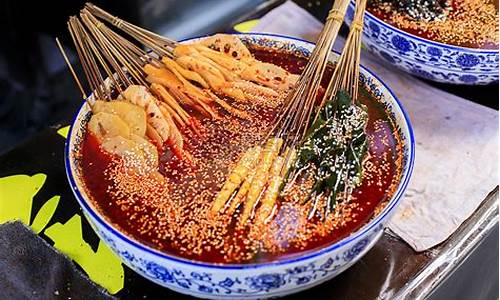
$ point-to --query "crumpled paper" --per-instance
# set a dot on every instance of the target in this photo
(291, 20)
(456, 163)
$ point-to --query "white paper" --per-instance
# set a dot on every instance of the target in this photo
(291, 20)
(456, 163)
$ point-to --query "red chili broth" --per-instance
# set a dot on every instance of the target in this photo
(384, 16)
(95, 162)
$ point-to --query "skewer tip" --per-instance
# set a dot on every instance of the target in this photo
(73, 73)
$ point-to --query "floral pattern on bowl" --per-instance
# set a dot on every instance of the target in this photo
(246, 281)
(428, 59)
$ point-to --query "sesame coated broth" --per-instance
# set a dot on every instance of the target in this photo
(172, 216)
(465, 23)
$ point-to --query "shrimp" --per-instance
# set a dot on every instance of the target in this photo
(269, 75)
(187, 95)
(260, 178)
(223, 60)
(247, 162)
(175, 68)
(175, 109)
(241, 77)
(211, 74)
(225, 82)
(233, 55)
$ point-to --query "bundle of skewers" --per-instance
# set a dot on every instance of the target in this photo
(157, 95)
(326, 141)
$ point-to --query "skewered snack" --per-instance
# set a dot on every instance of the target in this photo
(173, 83)
(223, 62)
(295, 118)
(336, 148)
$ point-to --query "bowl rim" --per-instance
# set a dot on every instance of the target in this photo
(416, 37)
(87, 208)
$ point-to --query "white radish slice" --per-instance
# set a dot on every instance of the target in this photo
(104, 125)
(122, 146)
(133, 115)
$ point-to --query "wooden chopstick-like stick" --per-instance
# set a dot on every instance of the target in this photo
(73, 73)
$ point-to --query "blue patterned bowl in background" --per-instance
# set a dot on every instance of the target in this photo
(425, 58)
(245, 281)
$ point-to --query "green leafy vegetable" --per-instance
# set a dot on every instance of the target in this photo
(336, 146)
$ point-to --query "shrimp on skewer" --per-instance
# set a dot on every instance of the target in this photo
(269, 75)
(242, 77)
(225, 82)
(174, 67)
(180, 86)
(229, 63)
(234, 111)
(274, 183)
(186, 95)
(235, 56)
(247, 162)
(171, 105)
(193, 76)
(212, 75)
(260, 178)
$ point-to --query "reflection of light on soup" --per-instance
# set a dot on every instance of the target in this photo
(172, 215)
(466, 23)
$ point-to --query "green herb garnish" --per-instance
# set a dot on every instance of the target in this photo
(336, 146)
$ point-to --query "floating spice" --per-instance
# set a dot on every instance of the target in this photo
(420, 10)
(466, 23)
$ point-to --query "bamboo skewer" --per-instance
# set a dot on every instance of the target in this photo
(346, 74)
(101, 48)
(102, 52)
(163, 49)
(90, 56)
(345, 78)
(293, 121)
(159, 44)
(73, 73)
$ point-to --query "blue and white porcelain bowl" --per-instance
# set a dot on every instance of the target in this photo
(249, 281)
(425, 58)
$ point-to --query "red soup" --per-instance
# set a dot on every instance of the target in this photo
(465, 23)
(171, 214)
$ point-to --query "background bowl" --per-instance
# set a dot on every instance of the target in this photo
(246, 281)
(425, 58)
